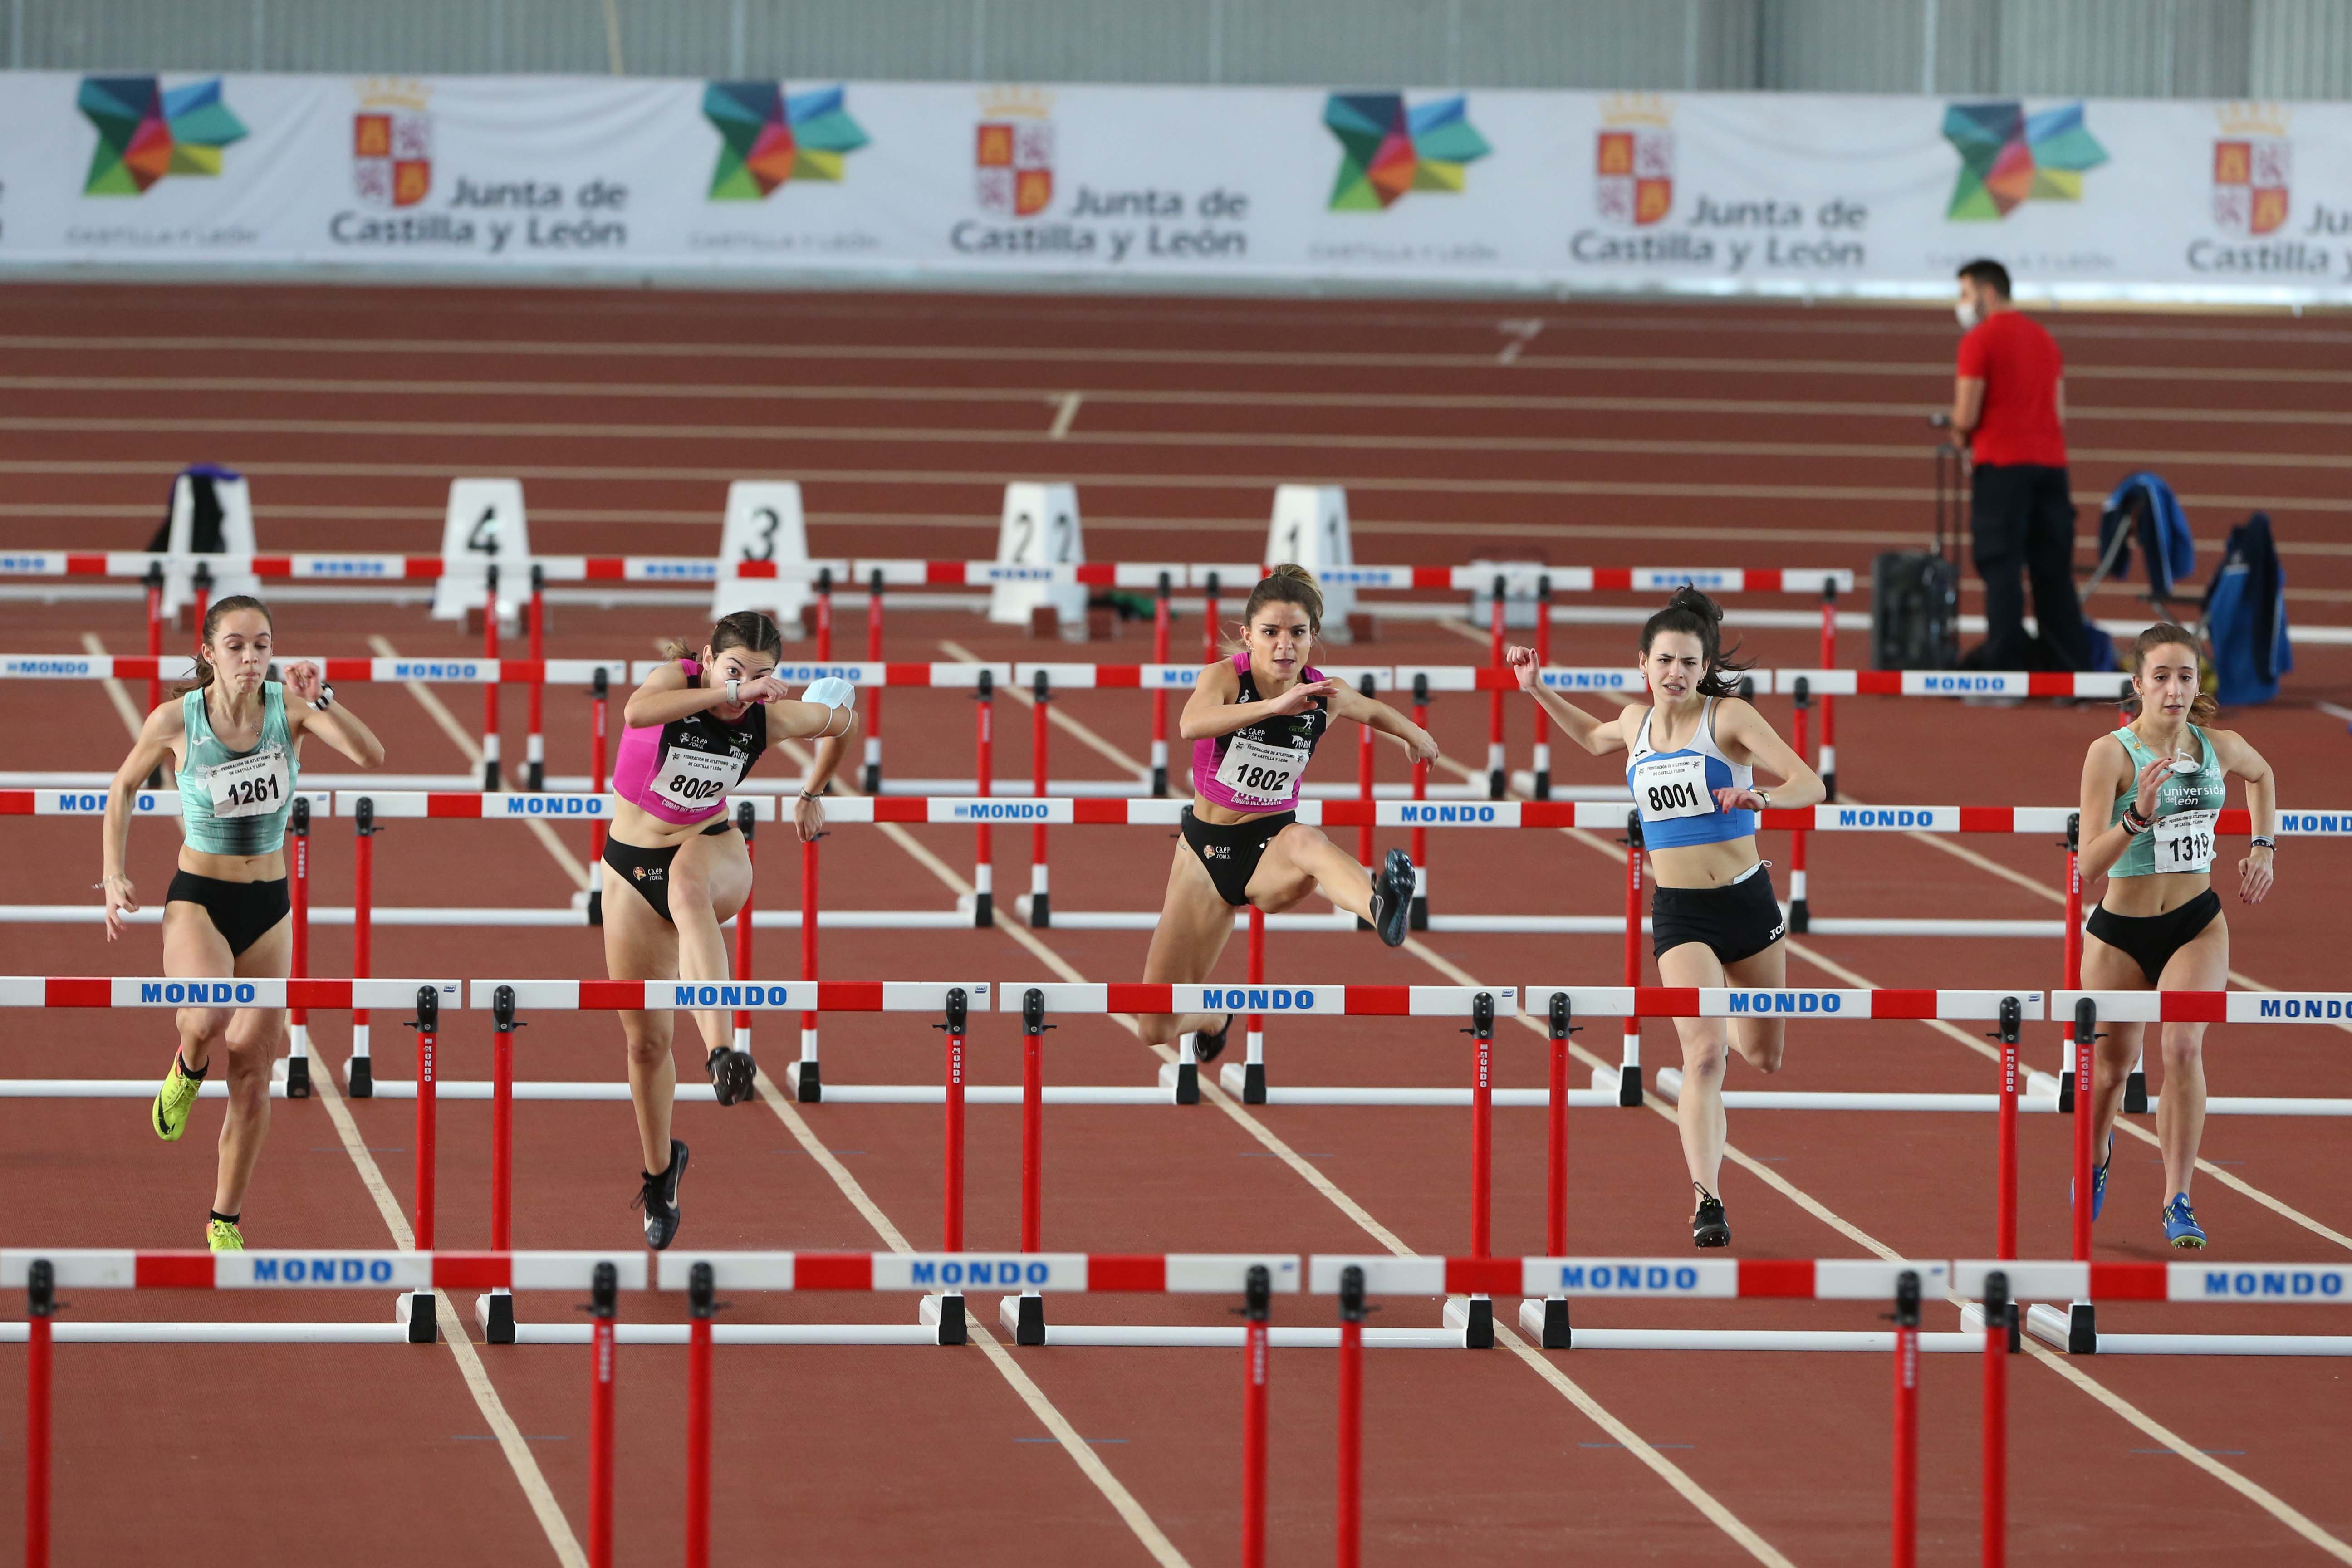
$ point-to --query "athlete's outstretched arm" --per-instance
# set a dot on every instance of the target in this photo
(1347, 702)
(1212, 711)
(2230, 750)
(337, 725)
(1598, 736)
(150, 751)
(1738, 722)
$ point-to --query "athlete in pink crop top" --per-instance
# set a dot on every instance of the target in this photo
(1253, 721)
(676, 869)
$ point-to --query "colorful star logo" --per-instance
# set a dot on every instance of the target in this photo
(145, 133)
(1386, 149)
(767, 137)
(2009, 157)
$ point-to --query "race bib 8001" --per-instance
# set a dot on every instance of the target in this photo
(2184, 840)
(694, 781)
(1672, 786)
(252, 786)
(1260, 773)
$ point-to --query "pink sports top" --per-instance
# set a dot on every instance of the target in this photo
(1258, 766)
(680, 772)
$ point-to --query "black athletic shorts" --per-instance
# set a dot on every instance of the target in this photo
(1231, 850)
(647, 870)
(2152, 939)
(243, 912)
(1737, 920)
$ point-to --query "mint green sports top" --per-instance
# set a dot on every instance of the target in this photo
(2180, 838)
(235, 803)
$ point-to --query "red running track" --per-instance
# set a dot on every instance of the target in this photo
(1641, 431)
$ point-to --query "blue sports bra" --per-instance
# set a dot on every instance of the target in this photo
(1676, 790)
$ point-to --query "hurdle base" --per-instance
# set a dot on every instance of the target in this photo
(1182, 1080)
(1036, 909)
(806, 1081)
(2075, 1329)
(1544, 1319)
(2135, 1101)
(1473, 1317)
(495, 1313)
(1245, 1079)
(1972, 1321)
(414, 1310)
(359, 1079)
(293, 1074)
(1623, 1085)
(1025, 1315)
(945, 1313)
(1670, 1086)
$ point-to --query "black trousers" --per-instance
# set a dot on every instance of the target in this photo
(2021, 523)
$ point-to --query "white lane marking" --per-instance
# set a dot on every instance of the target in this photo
(527, 1473)
(1632, 1441)
(116, 693)
(439, 713)
(1064, 412)
(1155, 1540)
(1060, 719)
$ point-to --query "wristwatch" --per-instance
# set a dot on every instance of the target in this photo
(734, 693)
(2264, 841)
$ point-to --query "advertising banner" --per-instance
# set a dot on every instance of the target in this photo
(1709, 192)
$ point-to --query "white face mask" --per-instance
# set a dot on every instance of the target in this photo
(1968, 315)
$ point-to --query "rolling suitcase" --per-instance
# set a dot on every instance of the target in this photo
(1915, 596)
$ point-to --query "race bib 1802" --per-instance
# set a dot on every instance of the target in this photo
(694, 781)
(252, 786)
(2184, 840)
(1672, 786)
(1260, 773)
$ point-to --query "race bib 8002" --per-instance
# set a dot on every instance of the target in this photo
(1672, 786)
(252, 786)
(1260, 773)
(694, 781)
(2184, 840)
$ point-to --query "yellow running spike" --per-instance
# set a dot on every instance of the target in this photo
(173, 1101)
(222, 1236)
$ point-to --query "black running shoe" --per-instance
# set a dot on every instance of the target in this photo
(732, 1072)
(1709, 1226)
(1393, 897)
(658, 1198)
(1208, 1047)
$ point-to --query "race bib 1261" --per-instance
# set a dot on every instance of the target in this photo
(1672, 786)
(252, 786)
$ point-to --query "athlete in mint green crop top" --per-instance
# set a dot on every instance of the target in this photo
(2180, 838)
(235, 803)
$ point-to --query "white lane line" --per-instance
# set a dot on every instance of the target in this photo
(1122, 1502)
(1065, 411)
(438, 712)
(116, 693)
(1085, 736)
(1674, 1475)
(527, 1473)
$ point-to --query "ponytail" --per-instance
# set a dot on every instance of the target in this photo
(2204, 708)
(1693, 614)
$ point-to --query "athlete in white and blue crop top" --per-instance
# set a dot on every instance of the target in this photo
(1253, 721)
(1712, 918)
(234, 742)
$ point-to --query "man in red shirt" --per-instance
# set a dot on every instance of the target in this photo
(2009, 407)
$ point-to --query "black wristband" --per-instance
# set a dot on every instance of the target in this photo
(2264, 841)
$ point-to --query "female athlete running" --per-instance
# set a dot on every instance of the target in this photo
(234, 743)
(2156, 784)
(676, 869)
(1253, 721)
(1714, 921)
